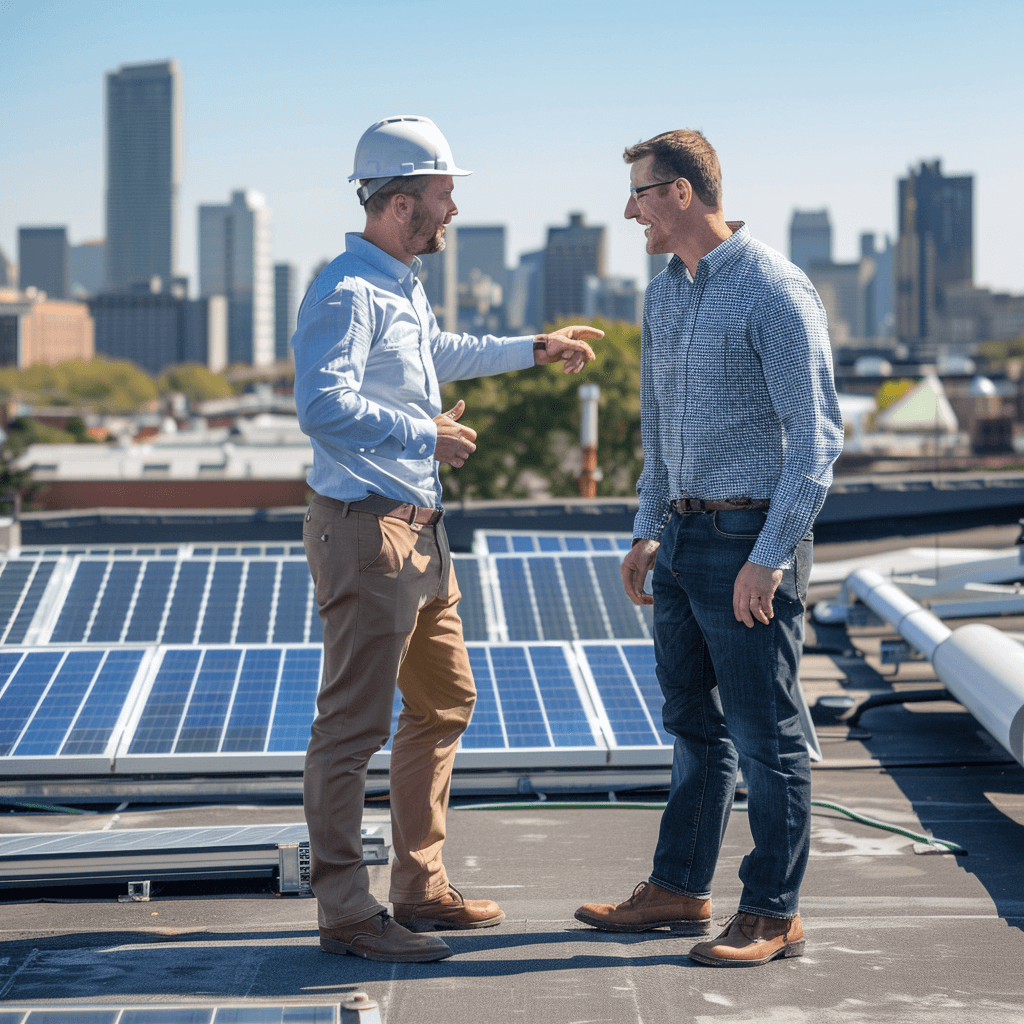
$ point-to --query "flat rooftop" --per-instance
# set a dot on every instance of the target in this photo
(894, 934)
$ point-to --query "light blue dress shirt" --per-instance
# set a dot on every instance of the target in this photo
(369, 359)
(737, 398)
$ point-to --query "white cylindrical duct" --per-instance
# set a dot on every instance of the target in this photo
(914, 623)
(981, 667)
(984, 670)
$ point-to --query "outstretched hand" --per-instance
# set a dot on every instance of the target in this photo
(568, 345)
(455, 441)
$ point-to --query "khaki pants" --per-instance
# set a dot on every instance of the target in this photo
(387, 596)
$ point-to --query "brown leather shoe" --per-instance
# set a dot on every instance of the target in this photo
(381, 938)
(449, 912)
(750, 940)
(650, 906)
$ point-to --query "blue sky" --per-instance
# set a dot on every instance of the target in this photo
(808, 105)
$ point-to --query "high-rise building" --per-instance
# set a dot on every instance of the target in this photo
(573, 254)
(483, 278)
(235, 261)
(810, 238)
(43, 260)
(88, 268)
(284, 308)
(524, 305)
(8, 272)
(935, 248)
(143, 172)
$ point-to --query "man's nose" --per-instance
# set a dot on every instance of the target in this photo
(632, 209)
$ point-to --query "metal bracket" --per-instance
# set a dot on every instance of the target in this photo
(359, 1008)
(138, 892)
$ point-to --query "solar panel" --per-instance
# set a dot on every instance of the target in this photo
(23, 582)
(257, 549)
(629, 702)
(251, 1013)
(569, 596)
(515, 542)
(64, 706)
(194, 600)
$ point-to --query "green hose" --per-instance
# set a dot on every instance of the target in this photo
(608, 804)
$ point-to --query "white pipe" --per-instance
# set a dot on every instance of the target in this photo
(926, 632)
(984, 670)
(981, 667)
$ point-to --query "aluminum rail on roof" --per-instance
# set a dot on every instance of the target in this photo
(981, 667)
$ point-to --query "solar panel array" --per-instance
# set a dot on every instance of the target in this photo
(226, 662)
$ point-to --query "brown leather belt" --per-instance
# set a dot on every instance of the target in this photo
(380, 506)
(684, 505)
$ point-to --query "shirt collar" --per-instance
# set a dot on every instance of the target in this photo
(379, 259)
(725, 252)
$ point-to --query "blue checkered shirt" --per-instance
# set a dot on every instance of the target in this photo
(737, 397)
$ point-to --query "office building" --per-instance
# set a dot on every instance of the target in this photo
(143, 107)
(810, 238)
(573, 254)
(235, 261)
(524, 304)
(284, 309)
(34, 330)
(935, 248)
(613, 298)
(88, 268)
(43, 260)
(155, 330)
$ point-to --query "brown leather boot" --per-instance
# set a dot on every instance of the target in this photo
(381, 938)
(750, 940)
(650, 907)
(451, 911)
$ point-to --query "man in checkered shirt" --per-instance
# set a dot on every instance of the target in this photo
(740, 427)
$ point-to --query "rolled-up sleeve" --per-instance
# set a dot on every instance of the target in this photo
(790, 335)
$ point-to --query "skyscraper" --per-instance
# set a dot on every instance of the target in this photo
(657, 263)
(43, 260)
(143, 172)
(935, 248)
(284, 308)
(235, 261)
(810, 238)
(573, 253)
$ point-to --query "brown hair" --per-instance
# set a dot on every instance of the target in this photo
(410, 185)
(683, 154)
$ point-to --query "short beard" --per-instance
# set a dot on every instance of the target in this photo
(435, 243)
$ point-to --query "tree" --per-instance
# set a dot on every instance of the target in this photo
(194, 381)
(528, 422)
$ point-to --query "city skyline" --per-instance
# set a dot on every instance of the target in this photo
(814, 109)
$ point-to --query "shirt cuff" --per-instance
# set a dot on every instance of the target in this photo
(518, 353)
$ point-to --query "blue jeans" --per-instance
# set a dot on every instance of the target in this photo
(729, 700)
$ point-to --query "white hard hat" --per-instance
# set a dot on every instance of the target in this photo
(401, 147)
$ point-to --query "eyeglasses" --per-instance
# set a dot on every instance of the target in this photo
(635, 193)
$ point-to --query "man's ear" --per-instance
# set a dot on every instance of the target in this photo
(685, 190)
(401, 207)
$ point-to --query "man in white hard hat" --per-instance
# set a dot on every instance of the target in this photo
(369, 358)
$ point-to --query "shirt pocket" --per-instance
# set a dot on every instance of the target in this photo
(395, 362)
